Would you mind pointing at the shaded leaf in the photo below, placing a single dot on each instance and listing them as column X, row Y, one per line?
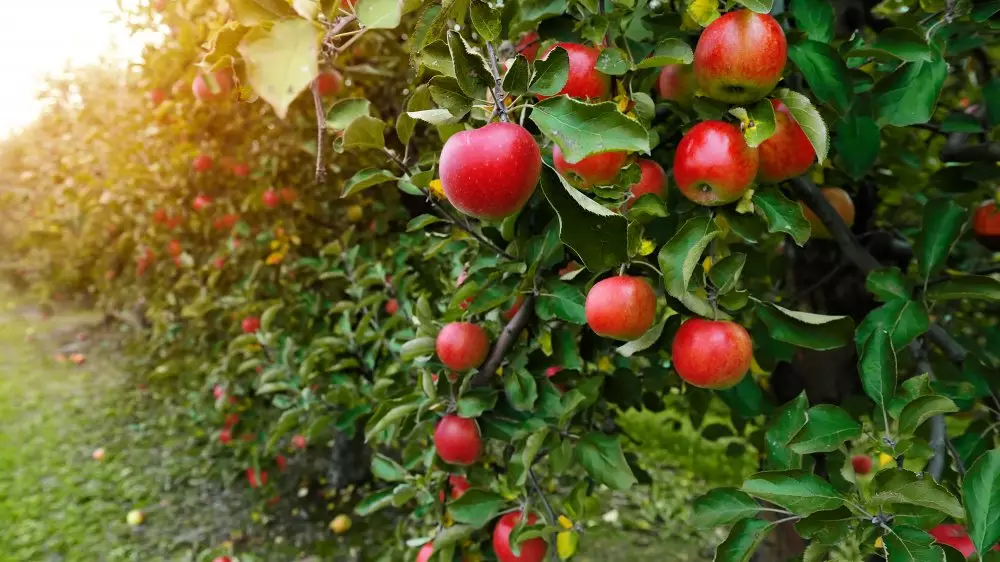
column 804, row 329
column 782, row 214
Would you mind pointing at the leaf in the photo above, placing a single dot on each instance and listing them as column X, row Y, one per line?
column 393, row 415
column 903, row 318
column 342, row 113
column 906, row 488
column 908, row 95
column 387, row 469
column 722, row 506
column 781, row 429
column 365, row 132
column 475, row 507
column 486, row 20
column 857, row 143
column 374, row 502
column 561, row 300
column 281, row 61
column 743, row 540
column 877, row 366
column 825, row 72
column 827, row 428
column 452, row 535
column 922, row 409
column 379, row 14
column 758, row 6
column 899, row 43
column 222, row 47
column 446, row 92
column 417, row 347
column 815, row 18
column 601, row 456
column 758, row 122
column 256, row 12
column 613, row 61
column 966, row 287
column 471, row 71
column 582, row 129
column 804, row 329
column 809, row 119
column 725, row 273
column 520, row 388
column 437, row 57
column 597, row 235
column 981, row 492
column 888, row 284
column 515, row 81
column 782, row 214
column 473, row 403
column 679, row 257
column 433, row 116
column 800, row 492
column 942, row 225
column 961, row 123
column 910, row 544
column 366, row 178
column 826, row 527
column 702, row 12
column 551, row 73
column 644, row 342
column 668, row 51
column 421, row 222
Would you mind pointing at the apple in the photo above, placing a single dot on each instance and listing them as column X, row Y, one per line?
column 457, row 485
column 241, row 169
column 282, row 462
column 256, row 478
column 288, row 195
column 712, row 354
column 329, row 83
column 528, row 45
column 299, row 441
column 202, row 163
column 355, row 213
column 157, row 96
column 621, row 307
column 597, row 169
column 159, row 5
column 270, row 198
column 490, row 172
column 218, row 391
column 862, row 464
column 740, row 57
column 788, row 152
column 713, row 164
column 509, row 314
column 462, row 346
column 250, row 324
column 219, row 262
column 135, row 517
column 340, row 524
column 226, row 436
column 201, row 202
column 957, row 537
column 532, row 550
column 677, row 83
column 225, row 222
column 391, row 307
column 98, row 454
column 160, row 216
column 222, row 559
column 204, row 92
column 174, row 248
column 653, row 180
column 231, row 420
column 585, row 82
column 457, row 440
column 986, row 225
column 841, row 203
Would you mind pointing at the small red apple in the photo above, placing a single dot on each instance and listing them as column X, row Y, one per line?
column 621, row 307
column 986, row 225
column 462, row 346
column 676, row 83
column 225, row 222
column 174, row 248
column 841, row 203
column 299, row 441
column 740, row 57
column 329, row 83
column 585, row 82
column 160, row 216
column 957, row 537
column 426, row 552
column 490, row 172
column 222, row 559
column 241, row 169
column 231, row 421
column 457, row 440
column 391, row 307
column 788, row 152
column 862, row 464
column 281, row 462
column 457, row 485
column 553, row 371
column 157, row 96
column 159, row 5
column 218, row 391
column 712, row 354
column 225, row 437
column 250, row 324
column 532, row 550
column 256, row 478
column 653, row 180
column 202, row 163
column 508, row 314
column 288, row 195
column 219, row 262
column 596, row 169
column 203, row 91
column 713, row 164
column 201, row 203
column 270, row 198
column 528, row 45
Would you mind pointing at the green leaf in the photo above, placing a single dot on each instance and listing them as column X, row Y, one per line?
column 447, row 94
column 827, row 527
column 582, row 129
column 613, row 61
column 900, row 44
column 644, row 342
column 281, row 61
column 365, row 132
column 906, row 488
column 908, row 95
column 597, row 235
column 809, row 119
column 601, row 456
column 473, row 403
column 966, row 287
column 911, row 389
column 452, row 535
column 877, row 365
column 377, row 425
column 648, row 207
column 815, row 18
column 722, row 506
column 943, row 222
column 758, row 6
column 437, row 57
column 561, row 300
column 910, row 544
column 476, row 507
column 486, row 20
column 374, row 502
column 758, row 122
column 221, row 49
column 922, row 409
column 857, row 143
column 421, row 222
column 515, row 81
column 804, row 329
column 888, row 284
column 825, row 72
column 551, row 73
column 800, row 492
column 366, row 178
column 668, row 51
column 342, row 113
column 471, row 71
column 725, row 274
column 743, row 540
column 379, row 14
column 827, row 428
column 981, row 492
column 387, row 469
column 520, row 388
column 782, row 214
column 903, row 318
column 680, row 256
column 781, row 429
column 433, row 116
column 417, row 347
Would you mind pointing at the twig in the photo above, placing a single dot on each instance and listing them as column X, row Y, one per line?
column 498, row 94
column 548, row 510
column 320, row 128
column 986, row 152
column 508, row 336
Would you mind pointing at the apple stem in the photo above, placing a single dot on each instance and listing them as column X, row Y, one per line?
column 498, row 94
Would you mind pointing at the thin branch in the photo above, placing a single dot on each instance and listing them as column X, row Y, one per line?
column 548, row 510
column 320, row 129
column 986, row 152
column 498, row 94
column 939, row 432
column 506, row 341
column 946, row 277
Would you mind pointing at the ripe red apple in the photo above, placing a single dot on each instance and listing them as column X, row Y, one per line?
column 986, row 225
column 157, row 96
column 218, row 391
column 225, row 222
column 426, row 552
column 225, row 436
column 508, row 314
column 621, row 307
column 256, row 478
column 231, row 420
column 676, row 83
column 159, row 5
column 282, row 462
column 223, row 559
column 250, row 324
column 596, row 169
column 862, row 464
column 840, row 201
column 957, row 537
column 201, row 203
column 241, row 169
column 462, row 346
column 528, row 45
column 270, row 198
column 740, row 57
column 174, row 248
column 203, row 91
column 202, row 163
column 457, row 485
column 288, row 195
column 457, row 440
column 553, row 371
column 160, row 216
column 713, row 164
column 219, row 262
column 391, row 306
column 712, row 354
column 585, row 82
column 653, row 180
column 299, row 441
column 329, row 83
column 490, row 172
column 788, row 152
column 532, row 550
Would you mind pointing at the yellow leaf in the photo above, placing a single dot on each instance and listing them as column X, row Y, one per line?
column 746, row 203
column 565, row 522
column 707, row 264
column 275, row 258
column 702, row 12
column 566, row 543
column 884, row 459
column 879, row 544
column 437, row 190
column 604, row 364
column 646, row 247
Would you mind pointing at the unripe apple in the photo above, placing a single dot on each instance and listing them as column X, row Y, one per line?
column 355, row 213
column 596, row 169
column 299, row 441
column 340, row 524
column 457, row 440
column 288, row 195
column 986, row 225
column 203, row 91
column 508, row 314
column 202, row 163
column 241, row 169
column 862, row 464
column 135, row 517
column 490, row 172
column 532, row 550
column 462, row 346
column 713, row 354
column 841, row 203
column 157, row 96
column 585, row 82
column 713, row 164
column 329, row 83
column 653, row 180
column 457, row 485
column 250, row 324
column 676, row 83
column 391, row 306
column 621, row 307
column 528, row 45
column 740, row 57
column 270, row 198
column 788, row 152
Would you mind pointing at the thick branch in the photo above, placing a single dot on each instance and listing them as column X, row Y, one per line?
column 939, row 431
column 986, row 152
column 506, row 341
column 498, row 93
column 320, row 128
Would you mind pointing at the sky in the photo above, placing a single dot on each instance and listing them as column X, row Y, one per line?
column 39, row 37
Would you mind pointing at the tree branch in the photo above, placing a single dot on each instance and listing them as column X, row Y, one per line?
column 506, row 341
column 548, row 509
column 939, row 431
column 498, row 93
column 320, row 129
column 986, row 152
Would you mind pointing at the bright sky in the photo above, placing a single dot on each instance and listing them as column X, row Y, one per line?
column 39, row 37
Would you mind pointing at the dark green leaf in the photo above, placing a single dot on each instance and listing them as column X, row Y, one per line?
column 961, row 123
column 726, row 273
column 601, row 456
column 743, row 540
column 922, row 409
column 476, row 401
column 668, row 51
column 515, row 81
column 804, row 329
column 825, row 72
column 485, row 19
column 723, row 506
column 366, row 178
column 582, row 129
column 827, row 428
column 387, row 469
column 903, row 318
column 476, row 507
column 910, row 544
column 900, row 43
column 781, row 429
column 981, row 492
column 800, row 492
column 680, row 256
column 877, row 365
column 365, row 132
column 782, row 214
column 421, row 222
column 471, row 71
column 827, row 527
column 520, row 388
column 446, row 92
column 561, row 300
column 647, row 207
column 551, row 73
column 908, row 95
column 902, row 487
column 888, row 284
column 815, row 18
column 342, row 113
column 374, row 502
column 452, row 535
column 857, row 143
column 651, row 336
column 943, row 222
column 966, row 287
column 613, row 61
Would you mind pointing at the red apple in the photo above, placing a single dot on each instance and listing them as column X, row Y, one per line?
column 653, row 180
column 862, row 464
column 231, row 421
column 160, row 216
column 329, row 83
column 713, row 164
column 426, row 552
column 202, row 163
column 676, row 83
column 553, row 371
column 201, row 203
column 621, row 307
column 956, row 537
column 223, row 559
column 256, row 478
column 225, row 437
column 712, row 354
column 225, row 222
column 986, row 225
column 508, row 314
column 457, row 440
column 391, row 306
column 270, row 198
column 528, row 45
column 250, row 324
column 157, row 96
column 532, row 550
column 159, row 5
column 490, row 172
column 740, row 57
column 788, row 152
column 596, row 169
column 299, row 441
column 457, row 485
column 174, row 248
column 241, row 169
column 218, row 391
column 282, row 462
column 584, row 82
column 219, row 262
column 841, row 203
column 288, row 195
column 462, row 346
column 204, row 92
